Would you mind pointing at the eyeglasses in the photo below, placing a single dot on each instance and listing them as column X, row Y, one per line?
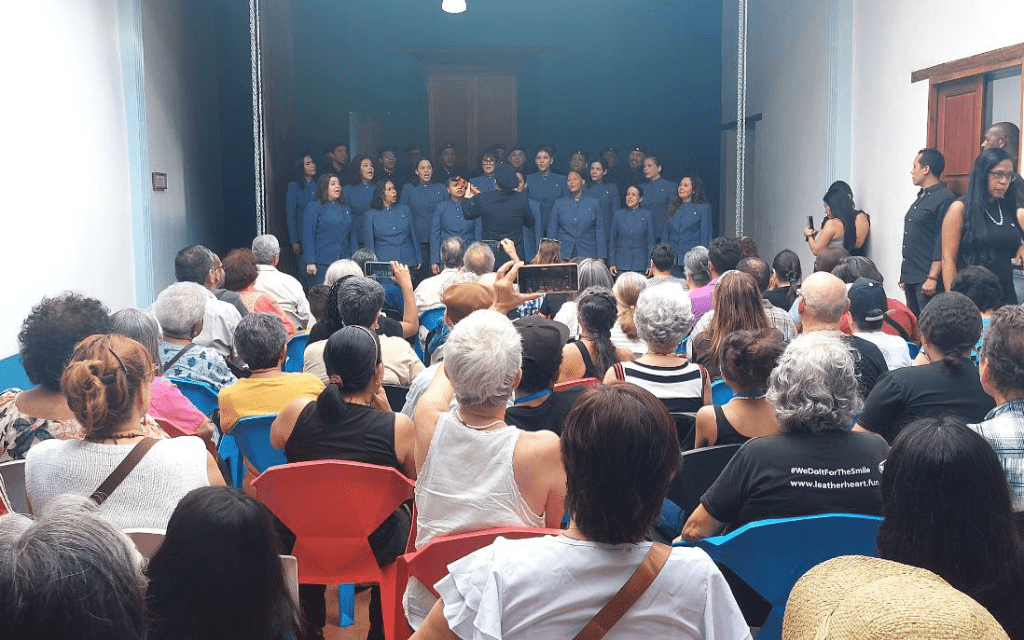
column 488, row 161
column 1008, row 176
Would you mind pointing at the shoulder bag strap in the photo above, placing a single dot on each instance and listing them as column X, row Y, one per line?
column 620, row 373
column 122, row 470
column 627, row 596
column 895, row 325
column 177, row 356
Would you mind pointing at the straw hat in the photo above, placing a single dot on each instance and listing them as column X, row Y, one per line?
column 861, row 598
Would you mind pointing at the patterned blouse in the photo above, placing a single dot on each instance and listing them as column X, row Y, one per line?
column 202, row 364
column 18, row 432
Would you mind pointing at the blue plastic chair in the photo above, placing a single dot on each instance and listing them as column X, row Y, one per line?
column 771, row 555
column 229, row 453
column 296, row 352
column 914, row 348
column 253, row 437
column 200, row 394
column 428, row 320
column 720, row 392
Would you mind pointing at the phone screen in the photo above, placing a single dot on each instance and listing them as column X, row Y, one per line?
column 548, row 278
column 378, row 270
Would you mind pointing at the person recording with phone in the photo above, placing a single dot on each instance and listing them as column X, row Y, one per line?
column 503, row 212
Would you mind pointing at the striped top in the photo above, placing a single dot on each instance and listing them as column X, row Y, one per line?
column 681, row 388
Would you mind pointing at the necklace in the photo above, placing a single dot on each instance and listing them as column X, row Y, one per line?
column 999, row 207
column 118, row 436
column 660, row 353
column 753, row 394
column 482, row 427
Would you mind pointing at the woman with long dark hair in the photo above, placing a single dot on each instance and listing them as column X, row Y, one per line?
column 593, row 354
column 328, row 229
column 301, row 191
column 785, row 279
column 983, row 228
column 861, row 220
column 218, row 575
column 351, row 420
column 839, row 228
column 689, row 217
column 739, row 299
column 360, row 195
column 947, row 509
column 389, row 230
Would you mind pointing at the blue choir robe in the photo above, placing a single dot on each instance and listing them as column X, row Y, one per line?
column 608, row 195
column 421, row 200
column 688, row 227
column 483, row 183
column 328, row 234
column 532, row 237
column 449, row 221
column 359, row 197
column 295, row 201
column 391, row 235
column 579, row 227
column 657, row 196
column 545, row 188
column 630, row 239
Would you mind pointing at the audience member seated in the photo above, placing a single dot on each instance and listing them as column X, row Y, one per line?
column 785, row 279
column 861, row 598
column 476, row 471
column 748, row 358
column 822, row 304
column 948, row 385
column 663, row 259
column 428, row 293
column 359, row 303
column 815, row 464
column 593, row 354
column 620, row 452
column 739, row 299
column 478, row 259
column 983, row 288
column 282, row 287
column 591, row 273
column 240, row 273
column 171, row 410
column 224, row 308
column 695, row 269
column 868, row 315
column 341, row 268
column 627, row 289
column 947, row 509
column 179, row 309
column 900, row 320
column 537, row 406
column 69, row 575
column 106, row 384
column 218, row 575
column 1002, row 376
column 317, row 298
column 663, row 319
column 723, row 255
column 46, row 340
column 351, row 420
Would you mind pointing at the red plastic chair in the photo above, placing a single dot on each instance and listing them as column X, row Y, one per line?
column 430, row 562
column 332, row 506
column 582, row 382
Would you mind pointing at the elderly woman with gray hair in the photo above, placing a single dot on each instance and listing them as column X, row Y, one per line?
column 475, row 471
column 815, row 464
column 179, row 309
column 695, row 267
column 171, row 410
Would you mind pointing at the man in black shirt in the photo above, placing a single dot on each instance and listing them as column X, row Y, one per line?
column 922, row 231
column 537, row 405
column 822, row 303
column 504, row 212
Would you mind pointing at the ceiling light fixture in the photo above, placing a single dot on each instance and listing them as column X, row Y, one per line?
column 453, row 6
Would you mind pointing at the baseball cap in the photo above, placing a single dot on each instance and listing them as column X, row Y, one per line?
column 868, row 302
column 542, row 338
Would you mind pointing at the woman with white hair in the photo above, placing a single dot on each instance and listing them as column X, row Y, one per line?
column 663, row 318
column 179, row 309
column 474, row 471
column 815, row 464
column 341, row 268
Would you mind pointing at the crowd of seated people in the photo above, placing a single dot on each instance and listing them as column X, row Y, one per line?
column 524, row 410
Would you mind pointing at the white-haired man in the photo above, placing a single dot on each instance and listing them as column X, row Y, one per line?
column 283, row 288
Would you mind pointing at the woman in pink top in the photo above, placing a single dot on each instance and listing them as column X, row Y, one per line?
column 240, row 275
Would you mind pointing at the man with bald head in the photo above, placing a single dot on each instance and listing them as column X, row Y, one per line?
column 822, row 303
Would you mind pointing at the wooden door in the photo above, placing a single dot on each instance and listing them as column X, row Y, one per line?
column 473, row 110
column 955, row 129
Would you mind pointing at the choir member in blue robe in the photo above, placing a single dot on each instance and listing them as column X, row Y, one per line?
column 658, row 193
column 389, row 228
column 544, row 186
column 503, row 212
column 689, row 222
column 632, row 234
column 447, row 165
column 517, row 159
column 449, row 220
column 577, row 223
column 579, row 161
column 328, row 232
column 360, row 194
column 301, row 192
column 607, row 193
column 485, row 181
column 336, row 162
column 387, row 167
column 421, row 197
column 531, row 237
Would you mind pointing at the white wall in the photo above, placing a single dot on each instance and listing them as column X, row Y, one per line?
column 64, row 199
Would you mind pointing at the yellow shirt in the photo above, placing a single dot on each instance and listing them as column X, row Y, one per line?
column 261, row 396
